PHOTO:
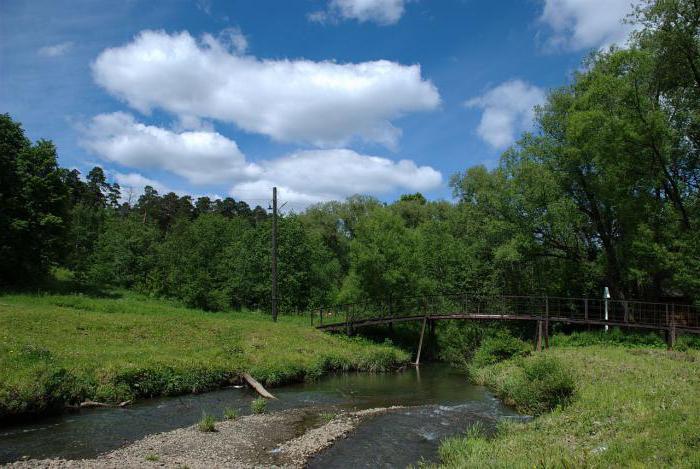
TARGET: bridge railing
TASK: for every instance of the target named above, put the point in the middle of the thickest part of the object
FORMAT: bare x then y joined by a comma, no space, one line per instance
559,309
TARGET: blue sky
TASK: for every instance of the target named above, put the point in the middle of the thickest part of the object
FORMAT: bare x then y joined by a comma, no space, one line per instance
323,98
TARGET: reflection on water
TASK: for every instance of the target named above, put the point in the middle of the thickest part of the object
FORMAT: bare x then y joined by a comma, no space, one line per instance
449,406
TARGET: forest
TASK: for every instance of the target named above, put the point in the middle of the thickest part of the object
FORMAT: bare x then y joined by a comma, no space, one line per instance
604,192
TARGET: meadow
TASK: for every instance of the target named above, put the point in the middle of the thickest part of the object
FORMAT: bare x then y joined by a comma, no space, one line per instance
632,406
58,350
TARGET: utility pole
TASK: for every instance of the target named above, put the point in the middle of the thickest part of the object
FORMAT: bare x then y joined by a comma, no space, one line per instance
274,254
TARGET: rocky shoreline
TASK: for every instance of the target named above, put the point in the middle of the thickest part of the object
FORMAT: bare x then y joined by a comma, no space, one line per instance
281,439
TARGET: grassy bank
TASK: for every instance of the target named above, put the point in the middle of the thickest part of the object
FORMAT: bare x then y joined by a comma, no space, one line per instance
632,407
63,349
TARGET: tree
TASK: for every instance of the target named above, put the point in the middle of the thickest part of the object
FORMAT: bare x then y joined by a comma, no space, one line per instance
33,205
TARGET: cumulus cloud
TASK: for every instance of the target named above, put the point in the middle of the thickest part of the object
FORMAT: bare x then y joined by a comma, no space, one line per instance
201,157
506,110
323,103
577,24
132,185
207,157
319,175
55,50
383,12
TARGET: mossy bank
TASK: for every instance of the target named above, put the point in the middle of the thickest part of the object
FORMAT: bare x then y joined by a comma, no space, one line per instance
58,350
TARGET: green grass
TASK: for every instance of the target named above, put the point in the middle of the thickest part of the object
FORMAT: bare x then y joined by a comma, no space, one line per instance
207,424
230,413
62,349
258,406
632,407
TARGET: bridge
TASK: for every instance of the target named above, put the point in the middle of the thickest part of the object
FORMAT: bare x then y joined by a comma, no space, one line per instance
669,318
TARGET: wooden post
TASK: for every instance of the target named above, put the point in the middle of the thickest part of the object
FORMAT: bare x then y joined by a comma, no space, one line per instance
539,335
274,254
546,324
420,342
672,328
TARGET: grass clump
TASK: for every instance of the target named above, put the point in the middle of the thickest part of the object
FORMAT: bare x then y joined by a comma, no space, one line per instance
258,406
534,386
207,424
230,413
633,407
152,457
63,349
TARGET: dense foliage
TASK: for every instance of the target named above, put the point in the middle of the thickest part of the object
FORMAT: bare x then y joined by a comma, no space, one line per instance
606,191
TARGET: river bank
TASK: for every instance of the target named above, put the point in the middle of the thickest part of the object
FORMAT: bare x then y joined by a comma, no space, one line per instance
60,350
632,406
281,439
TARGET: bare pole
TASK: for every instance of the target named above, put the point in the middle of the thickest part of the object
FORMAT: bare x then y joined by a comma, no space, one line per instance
274,254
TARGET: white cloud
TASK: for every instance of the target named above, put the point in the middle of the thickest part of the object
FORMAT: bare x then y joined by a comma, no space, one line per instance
507,111
55,50
234,39
323,103
132,185
382,12
585,24
319,175
206,157
202,156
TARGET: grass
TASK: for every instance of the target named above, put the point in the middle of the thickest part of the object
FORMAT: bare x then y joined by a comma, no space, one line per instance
632,407
258,406
62,349
207,424
230,413
152,457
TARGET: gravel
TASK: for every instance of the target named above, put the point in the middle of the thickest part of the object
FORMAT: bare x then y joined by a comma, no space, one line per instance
280,439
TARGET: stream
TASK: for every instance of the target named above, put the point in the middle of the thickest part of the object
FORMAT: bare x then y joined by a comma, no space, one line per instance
442,403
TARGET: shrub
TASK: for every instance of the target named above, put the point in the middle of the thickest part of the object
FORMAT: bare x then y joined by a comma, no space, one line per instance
207,424
230,413
500,347
258,406
542,384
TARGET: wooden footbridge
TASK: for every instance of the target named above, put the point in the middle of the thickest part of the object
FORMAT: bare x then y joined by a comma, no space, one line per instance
670,318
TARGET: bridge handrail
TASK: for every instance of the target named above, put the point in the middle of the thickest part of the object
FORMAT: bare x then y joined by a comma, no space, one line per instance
588,309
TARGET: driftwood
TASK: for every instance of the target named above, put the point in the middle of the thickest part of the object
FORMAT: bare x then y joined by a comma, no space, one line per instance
257,386
92,404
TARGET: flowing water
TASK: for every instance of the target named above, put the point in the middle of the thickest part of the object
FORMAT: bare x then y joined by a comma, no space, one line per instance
442,403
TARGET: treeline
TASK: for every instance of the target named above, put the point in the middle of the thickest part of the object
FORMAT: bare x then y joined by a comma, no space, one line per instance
605,192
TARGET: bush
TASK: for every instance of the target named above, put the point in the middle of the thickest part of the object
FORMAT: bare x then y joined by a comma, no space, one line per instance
498,348
542,384
258,406
207,424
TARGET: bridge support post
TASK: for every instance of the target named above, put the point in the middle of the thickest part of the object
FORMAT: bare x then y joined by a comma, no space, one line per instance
539,336
420,341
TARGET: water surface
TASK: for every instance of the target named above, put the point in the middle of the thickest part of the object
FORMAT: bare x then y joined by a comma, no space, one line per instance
448,405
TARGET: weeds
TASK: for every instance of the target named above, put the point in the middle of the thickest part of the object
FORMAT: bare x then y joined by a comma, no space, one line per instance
258,406
207,424
230,413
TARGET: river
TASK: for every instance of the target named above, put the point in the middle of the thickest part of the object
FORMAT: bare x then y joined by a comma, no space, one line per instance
441,403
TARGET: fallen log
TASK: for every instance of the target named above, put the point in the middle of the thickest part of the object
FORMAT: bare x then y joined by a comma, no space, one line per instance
92,404
257,386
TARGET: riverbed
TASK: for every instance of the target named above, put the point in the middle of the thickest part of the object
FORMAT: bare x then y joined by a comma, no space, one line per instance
437,402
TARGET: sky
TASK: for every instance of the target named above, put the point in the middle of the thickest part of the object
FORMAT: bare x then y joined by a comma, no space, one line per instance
321,98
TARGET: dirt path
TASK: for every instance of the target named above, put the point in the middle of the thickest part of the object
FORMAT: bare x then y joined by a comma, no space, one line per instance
282,439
